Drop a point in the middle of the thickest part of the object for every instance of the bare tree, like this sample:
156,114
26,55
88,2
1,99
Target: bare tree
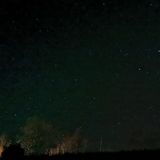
38,136
70,144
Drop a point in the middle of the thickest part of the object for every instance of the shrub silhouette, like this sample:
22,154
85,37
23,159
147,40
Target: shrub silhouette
4,142
13,152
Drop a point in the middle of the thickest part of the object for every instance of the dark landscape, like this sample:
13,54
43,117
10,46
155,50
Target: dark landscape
79,79
14,152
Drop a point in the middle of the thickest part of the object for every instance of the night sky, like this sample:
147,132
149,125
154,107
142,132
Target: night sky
93,64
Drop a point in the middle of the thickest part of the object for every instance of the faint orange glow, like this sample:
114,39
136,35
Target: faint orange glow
1,150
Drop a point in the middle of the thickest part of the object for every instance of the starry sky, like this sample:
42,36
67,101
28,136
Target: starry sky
91,64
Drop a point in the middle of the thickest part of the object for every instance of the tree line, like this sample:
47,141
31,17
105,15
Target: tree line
39,136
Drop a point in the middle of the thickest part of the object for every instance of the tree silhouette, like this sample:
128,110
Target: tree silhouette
13,152
70,144
38,136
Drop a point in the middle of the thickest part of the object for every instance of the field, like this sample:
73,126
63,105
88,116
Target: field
92,156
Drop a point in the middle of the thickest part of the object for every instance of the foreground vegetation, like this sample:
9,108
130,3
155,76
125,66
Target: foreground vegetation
41,137
16,153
